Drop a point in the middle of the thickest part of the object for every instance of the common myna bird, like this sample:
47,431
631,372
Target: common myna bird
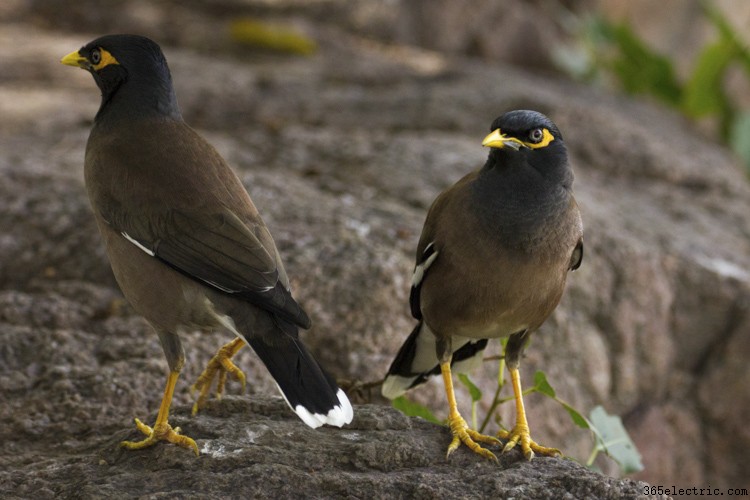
186,244
492,261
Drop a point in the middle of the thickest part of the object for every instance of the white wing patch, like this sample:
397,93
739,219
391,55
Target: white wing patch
422,267
218,286
137,243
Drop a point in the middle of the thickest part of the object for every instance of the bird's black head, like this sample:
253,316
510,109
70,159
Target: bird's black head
525,137
132,74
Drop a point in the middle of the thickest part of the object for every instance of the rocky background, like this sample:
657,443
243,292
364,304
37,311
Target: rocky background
343,150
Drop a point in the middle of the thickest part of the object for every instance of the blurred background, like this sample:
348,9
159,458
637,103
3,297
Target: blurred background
345,119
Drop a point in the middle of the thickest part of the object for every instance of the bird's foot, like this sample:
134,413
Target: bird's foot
520,434
463,434
220,365
160,432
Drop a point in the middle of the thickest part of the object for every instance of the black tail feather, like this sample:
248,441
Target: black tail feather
412,366
309,390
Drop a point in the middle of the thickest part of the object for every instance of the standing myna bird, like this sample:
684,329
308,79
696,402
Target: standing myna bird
492,261
186,244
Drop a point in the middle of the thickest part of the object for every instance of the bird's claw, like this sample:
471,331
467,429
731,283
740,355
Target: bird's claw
219,365
160,432
463,434
529,448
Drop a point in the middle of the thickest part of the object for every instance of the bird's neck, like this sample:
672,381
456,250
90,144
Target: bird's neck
137,99
518,204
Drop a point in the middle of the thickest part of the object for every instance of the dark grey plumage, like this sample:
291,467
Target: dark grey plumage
492,259
187,246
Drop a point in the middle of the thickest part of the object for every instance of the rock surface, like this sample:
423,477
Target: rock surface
343,152
257,449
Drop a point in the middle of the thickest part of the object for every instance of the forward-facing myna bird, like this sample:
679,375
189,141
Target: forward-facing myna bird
186,244
491,262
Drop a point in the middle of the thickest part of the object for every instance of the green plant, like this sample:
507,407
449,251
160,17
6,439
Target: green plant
275,37
607,48
608,433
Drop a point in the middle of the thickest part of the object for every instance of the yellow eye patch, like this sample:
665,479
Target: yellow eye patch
105,59
547,137
496,139
97,60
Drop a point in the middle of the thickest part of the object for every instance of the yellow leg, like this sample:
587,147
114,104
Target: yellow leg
459,428
520,433
220,364
162,431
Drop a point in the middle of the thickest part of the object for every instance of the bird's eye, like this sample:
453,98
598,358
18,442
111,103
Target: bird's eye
95,57
536,135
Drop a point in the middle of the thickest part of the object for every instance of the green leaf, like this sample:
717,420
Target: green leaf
640,69
615,440
541,384
739,137
704,93
253,33
598,30
474,391
412,409
576,417
726,31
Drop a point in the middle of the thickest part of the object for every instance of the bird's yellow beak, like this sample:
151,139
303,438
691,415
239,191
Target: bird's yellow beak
496,139
74,59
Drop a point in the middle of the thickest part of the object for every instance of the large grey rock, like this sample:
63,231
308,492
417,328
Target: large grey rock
258,449
343,153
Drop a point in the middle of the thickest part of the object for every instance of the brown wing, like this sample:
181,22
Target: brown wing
219,250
